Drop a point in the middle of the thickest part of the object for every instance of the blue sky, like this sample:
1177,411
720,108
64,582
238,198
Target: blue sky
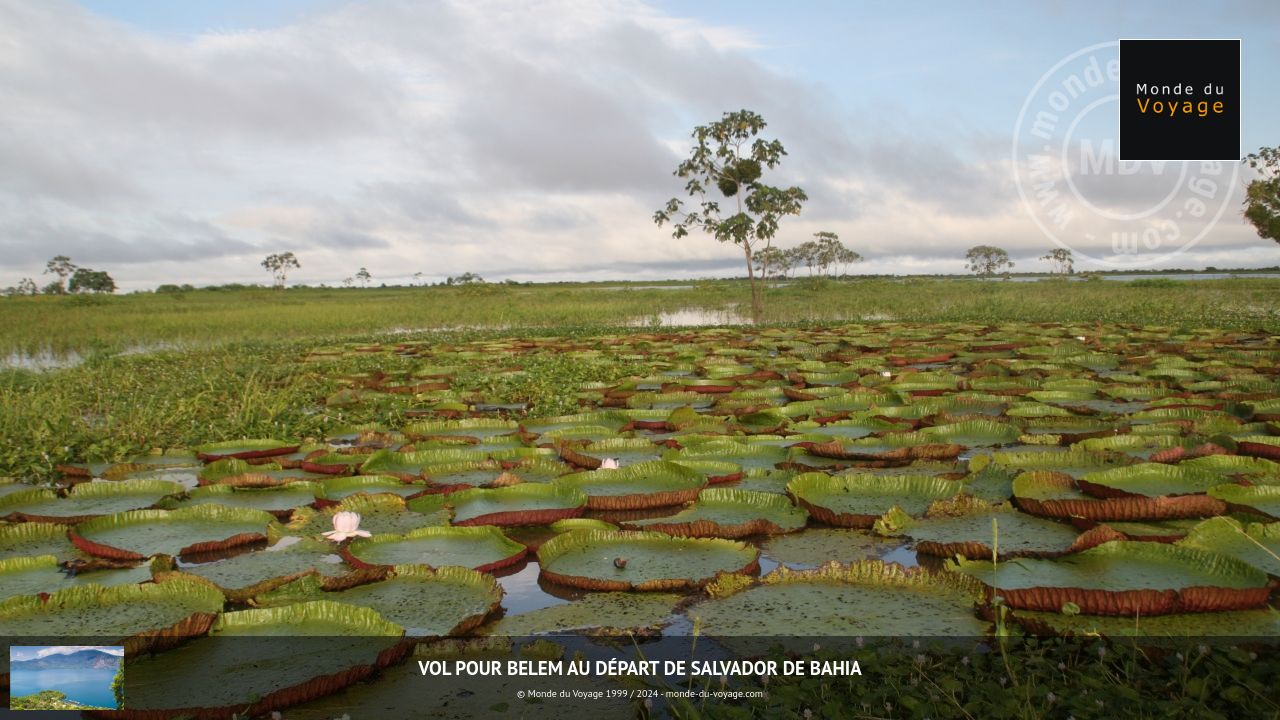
32,652
183,141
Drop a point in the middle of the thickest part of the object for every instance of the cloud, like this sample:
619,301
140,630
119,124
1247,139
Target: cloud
509,139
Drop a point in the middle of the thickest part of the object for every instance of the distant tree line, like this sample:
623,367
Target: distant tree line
69,278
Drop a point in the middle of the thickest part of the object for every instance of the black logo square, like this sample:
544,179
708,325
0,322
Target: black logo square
1180,100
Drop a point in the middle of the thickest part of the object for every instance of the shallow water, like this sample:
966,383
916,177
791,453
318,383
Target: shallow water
85,686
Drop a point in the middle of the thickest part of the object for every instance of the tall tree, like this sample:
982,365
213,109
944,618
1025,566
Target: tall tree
364,277
94,281
62,267
771,258
729,156
1060,260
1262,196
987,260
279,265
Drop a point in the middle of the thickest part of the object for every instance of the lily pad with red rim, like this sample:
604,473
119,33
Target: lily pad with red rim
138,534
636,487
244,449
857,500
483,548
1125,578
648,561
425,601
521,504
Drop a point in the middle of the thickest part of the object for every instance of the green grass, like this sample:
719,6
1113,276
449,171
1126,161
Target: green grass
46,700
86,325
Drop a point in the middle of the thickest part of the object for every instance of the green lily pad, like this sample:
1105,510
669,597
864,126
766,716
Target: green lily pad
866,598
379,514
1255,543
636,487
1125,578
425,601
819,546
973,531
974,433
338,488
244,449
523,504
1264,499
273,499
115,612
857,500
729,513
1149,480
256,677
482,548
31,575
31,538
603,560
88,499
244,575
138,534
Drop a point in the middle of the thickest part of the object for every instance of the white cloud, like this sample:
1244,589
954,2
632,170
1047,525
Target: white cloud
511,139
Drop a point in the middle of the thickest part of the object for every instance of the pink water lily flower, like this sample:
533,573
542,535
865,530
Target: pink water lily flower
346,525
609,464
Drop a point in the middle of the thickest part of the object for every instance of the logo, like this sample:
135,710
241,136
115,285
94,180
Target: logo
1066,163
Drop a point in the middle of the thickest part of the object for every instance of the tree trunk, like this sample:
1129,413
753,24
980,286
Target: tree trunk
757,301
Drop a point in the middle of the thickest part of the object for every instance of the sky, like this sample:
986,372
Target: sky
35,652
182,142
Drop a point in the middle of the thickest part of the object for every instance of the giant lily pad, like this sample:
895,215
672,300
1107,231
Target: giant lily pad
138,534
974,433
819,546
636,487
857,500
1263,499
331,646
379,514
340,487
1125,578
41,574
729,513
30,538
244,449
1056,495
972,529
279,500
617,560
1255,543
410,465
864,598
148,615
482,548
1148,480
523,504
87,500
425,601
244,575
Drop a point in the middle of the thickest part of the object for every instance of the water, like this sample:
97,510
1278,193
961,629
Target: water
85,686
692,317
48,360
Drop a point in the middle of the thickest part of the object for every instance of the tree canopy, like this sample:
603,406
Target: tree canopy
987,260
1262,196
729,156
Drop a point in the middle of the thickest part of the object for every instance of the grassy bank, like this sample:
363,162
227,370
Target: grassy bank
60,325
